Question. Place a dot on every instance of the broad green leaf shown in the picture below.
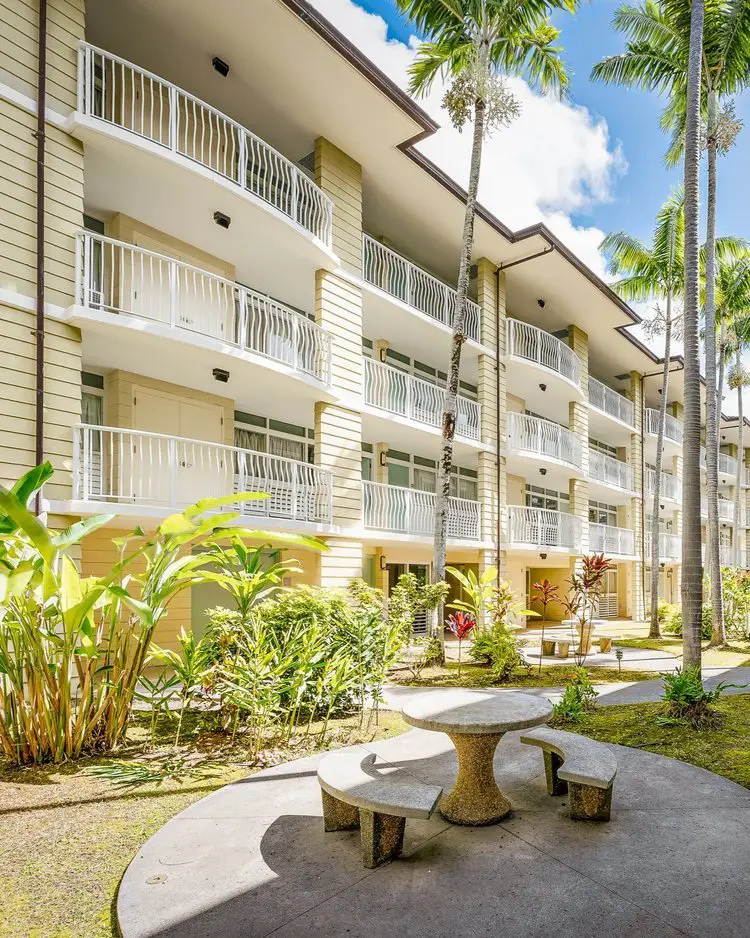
(141, 609)
(176, 524)
(29, 524)
(23, 489)
(79, 530)
(211, 504)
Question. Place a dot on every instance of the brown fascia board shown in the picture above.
(341, 44)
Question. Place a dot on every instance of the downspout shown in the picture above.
(498, 473)
(41, 110)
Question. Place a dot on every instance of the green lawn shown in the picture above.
(733, 655)
(478, 675)
(66, 838)
(725, 750)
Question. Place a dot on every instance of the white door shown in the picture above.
(177, 469)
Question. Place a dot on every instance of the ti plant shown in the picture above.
(582, 603)
(546, 593)
(461, 624)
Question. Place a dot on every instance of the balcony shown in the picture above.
(670, 547)
(409, 284)
(537, 529)
(611, 541)
(403, 395)
(151, 474)
(178, 301)
(542, 370)
(728, 557)
(726, 510)
(670, 487)
(672, 427)
(727, 466)
(152, 140)
(610, 473)
(610, 414)
(411, 512)
(533, 442)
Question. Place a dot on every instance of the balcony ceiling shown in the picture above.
(289, 86)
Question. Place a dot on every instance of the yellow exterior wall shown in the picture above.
(119, 399)
(559, 577)
(340, 177)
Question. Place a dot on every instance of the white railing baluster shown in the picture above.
(168, 291)
(393, 274)
(539, 528)
(608, 401)
(610, 540)
(543, 438)
(526, 342)
(610, 471)
(411, 511)
(157, 470)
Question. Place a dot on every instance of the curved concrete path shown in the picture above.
(252, 860)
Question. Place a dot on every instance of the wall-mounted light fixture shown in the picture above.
(382, 562)
(383, 459)
(221, 374)
(543, 556)
(383, 353)
(542, 387)
(541, 304)
(543, 472)
(222, 220)
(220, 66)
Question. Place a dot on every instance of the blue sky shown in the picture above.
(632, 118)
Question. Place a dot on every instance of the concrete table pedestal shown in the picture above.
(475, 722)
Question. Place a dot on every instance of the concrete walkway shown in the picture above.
(252, 859)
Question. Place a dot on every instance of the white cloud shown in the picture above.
(554, 160)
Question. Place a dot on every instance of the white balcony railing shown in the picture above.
(113, 90)
(610, 471)
(670, 486)
(398, 277)
(397, 392)
(672, 426)
(612, 541)
(610, 402)
(535, 345)
(670, 547)
(538, 528)
(121, 278)
(527, 434)
(728, 557)
(726, 509)
(728, 466)
(152, 470)
(410, 511)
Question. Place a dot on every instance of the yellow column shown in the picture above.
(338, 309)
(578, 421)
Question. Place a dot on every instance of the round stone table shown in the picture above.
(475, 723)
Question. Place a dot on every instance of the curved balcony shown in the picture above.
(609, 473)
(118, 97)
(124, 285)
(533, 442)
(542, 370)
(672, 427)
(670, 547)
(611, 541)
(397, 277)
(538, 529)
(726, 510)
(403, 395)
(727, 466)
(411, 512)
(611, 415)
(152, 473)
(670, 487)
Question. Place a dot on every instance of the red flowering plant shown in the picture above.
(460, 624)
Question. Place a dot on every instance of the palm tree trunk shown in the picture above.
(654, 630)
(449, 412)
(718, 635)
(692, 569)
(740, 459)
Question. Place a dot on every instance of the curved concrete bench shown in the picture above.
(355, 795)
(580, 766)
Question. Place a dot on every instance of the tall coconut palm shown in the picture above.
(654, 274)
(661, 55)
(472, 44)
(733, 311)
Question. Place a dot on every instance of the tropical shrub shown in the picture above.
(72, 648)
(672, 621)
(687, 700)
(736, 601)
(579, 698)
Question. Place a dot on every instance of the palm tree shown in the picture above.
(653, 273)
(472, 43)
(733, 311)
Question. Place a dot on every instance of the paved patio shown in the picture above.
(252, 859)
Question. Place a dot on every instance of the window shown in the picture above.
(603, 448)
(600, 513)
(266, 435)
(537, 497)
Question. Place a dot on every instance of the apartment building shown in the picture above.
(250, 274)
